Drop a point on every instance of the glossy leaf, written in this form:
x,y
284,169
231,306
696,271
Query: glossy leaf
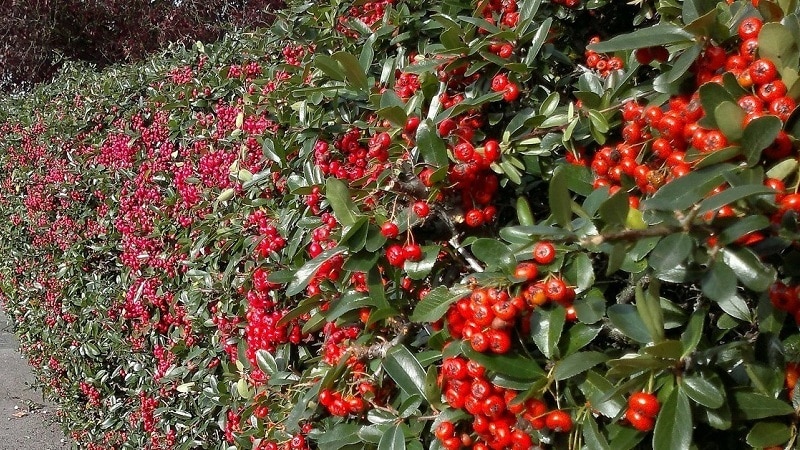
x,y
436,303
304,275
661,34
673,429
404,368
546,328
577,363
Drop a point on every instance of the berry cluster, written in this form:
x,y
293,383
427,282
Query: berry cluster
x,y
600,62
495,411
642,410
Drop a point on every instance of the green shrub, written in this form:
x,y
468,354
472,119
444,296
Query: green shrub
x,y
407,224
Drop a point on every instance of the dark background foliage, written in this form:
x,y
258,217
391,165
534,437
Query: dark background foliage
x,y
39,36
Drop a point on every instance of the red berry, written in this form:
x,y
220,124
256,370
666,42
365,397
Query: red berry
x,y
644,403
421,209
412,252
639,421
474,218
506,50
499,82
762,71
544,252
556,290
526,271
445,430
644,56
511,92
390,230
749,28
558,421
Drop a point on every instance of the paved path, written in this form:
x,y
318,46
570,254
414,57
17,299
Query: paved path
x,y
25,422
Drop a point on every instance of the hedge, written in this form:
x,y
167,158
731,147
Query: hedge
x,y
402,224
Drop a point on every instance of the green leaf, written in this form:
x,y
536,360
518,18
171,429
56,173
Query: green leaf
x,y
591,307
592,435
670,252
339,436
354,74
404,368
579,336
602,394
752,406
614,211
538,40
304,274
329,66
674,425
649,308
660,34
436,303
396,115
730,195
417,270
266,362
776,43
559,198
546,328
494,253
515,365
524,214
749,269
719,282
344,208
758,135
598,121
729,116
711,96
703,391
431,147
694,331
768,434
626,319
687,190
577,363
393,439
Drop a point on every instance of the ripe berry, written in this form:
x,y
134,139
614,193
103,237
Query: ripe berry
x,y
644,403
421,209
556,290
445,430
506,50
412,252
390,230
558,421
499,82
644,56
762,71
640,421
526,271
511,92
749,28
544,252
474,218
396,255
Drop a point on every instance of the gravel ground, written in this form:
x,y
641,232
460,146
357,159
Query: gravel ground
x,y
25,420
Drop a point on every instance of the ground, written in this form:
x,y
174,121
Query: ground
x,y
25,419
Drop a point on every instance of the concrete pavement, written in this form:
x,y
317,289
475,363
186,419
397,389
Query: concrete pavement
x,y
25,419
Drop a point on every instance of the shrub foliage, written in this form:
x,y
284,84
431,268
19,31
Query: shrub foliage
x,y
411,224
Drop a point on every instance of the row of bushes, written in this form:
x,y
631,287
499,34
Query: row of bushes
x,y
406,224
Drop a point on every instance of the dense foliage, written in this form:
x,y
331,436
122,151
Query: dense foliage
x,y
40,35
409,224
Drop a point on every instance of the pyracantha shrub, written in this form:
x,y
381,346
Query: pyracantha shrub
x,y
407,224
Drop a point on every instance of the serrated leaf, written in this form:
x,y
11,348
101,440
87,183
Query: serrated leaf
x,y
344,208
515,365
404,368
393,439
559,198
769,434
431,147
703,391
749,269
729,116
674,426
546,328
687,190
577,363
627,320
304,274
494,253
434,305
660,34
753,406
